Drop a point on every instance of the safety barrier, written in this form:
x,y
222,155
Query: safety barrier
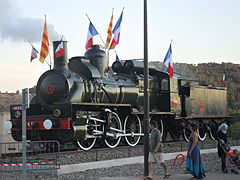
x,y
178,162
41,155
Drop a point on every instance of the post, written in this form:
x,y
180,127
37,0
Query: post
x,y
25,105
146,95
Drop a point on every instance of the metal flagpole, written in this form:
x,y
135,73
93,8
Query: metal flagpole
x,y
146,95
50,65
29,43
33,46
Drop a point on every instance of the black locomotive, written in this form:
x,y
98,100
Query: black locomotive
x,y
82,100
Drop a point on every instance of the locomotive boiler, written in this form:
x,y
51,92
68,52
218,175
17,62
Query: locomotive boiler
x,y
84,101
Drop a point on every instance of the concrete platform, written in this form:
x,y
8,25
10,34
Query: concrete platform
x,y
73,168
210,176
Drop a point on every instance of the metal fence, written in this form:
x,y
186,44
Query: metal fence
x,y
41,155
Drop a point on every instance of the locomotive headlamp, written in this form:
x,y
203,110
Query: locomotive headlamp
x,y
56,112
47,124
8,125
17,114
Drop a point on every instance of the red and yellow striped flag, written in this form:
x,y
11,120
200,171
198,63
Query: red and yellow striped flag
x,y
109,37
45,44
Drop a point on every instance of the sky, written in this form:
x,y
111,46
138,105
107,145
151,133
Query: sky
x,y
202,31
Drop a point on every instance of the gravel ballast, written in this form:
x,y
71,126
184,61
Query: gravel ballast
x,y
211,163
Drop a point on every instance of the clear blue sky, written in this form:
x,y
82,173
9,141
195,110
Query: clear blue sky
x,y
202,31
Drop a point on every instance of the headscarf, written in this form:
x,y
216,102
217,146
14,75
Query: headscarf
x,y
223,128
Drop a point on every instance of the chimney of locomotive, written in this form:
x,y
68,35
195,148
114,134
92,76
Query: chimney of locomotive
x,y
98,58
60,62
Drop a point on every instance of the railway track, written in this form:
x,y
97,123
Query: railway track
x,y
74,155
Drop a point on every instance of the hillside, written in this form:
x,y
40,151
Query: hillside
x,y
211,73
6,99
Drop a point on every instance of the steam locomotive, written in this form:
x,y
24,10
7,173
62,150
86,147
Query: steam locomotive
x,y
82,100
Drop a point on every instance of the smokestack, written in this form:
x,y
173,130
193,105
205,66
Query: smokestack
x,y
61,62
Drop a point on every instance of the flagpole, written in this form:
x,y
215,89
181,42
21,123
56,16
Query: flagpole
x,y
98,33
29,43
115,51
50,65
33,47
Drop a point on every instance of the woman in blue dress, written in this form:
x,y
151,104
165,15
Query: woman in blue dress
x,y
193,163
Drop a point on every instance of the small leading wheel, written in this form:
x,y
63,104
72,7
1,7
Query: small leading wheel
x,y
132,125
88,142
114,128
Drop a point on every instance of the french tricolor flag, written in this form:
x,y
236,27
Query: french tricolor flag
x,y
116,32
59,52
223,78
117,59
168,61
33,53
91,32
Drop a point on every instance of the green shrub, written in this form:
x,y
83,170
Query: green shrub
x,y
235,126
235,130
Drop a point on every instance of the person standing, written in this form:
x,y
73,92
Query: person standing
x,y
193,162
156,151
222,136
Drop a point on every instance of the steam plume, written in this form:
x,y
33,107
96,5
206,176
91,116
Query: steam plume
x,y
17,28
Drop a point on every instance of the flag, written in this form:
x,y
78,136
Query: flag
x,y
117,58
59,52
33,54
116,32
168,61
45,44
109,37
91,32
223,78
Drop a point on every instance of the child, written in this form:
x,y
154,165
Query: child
x,y
235,158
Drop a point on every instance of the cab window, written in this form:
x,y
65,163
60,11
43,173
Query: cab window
x,y
164,85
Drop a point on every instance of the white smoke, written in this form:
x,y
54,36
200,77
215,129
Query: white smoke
x,y
17,28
